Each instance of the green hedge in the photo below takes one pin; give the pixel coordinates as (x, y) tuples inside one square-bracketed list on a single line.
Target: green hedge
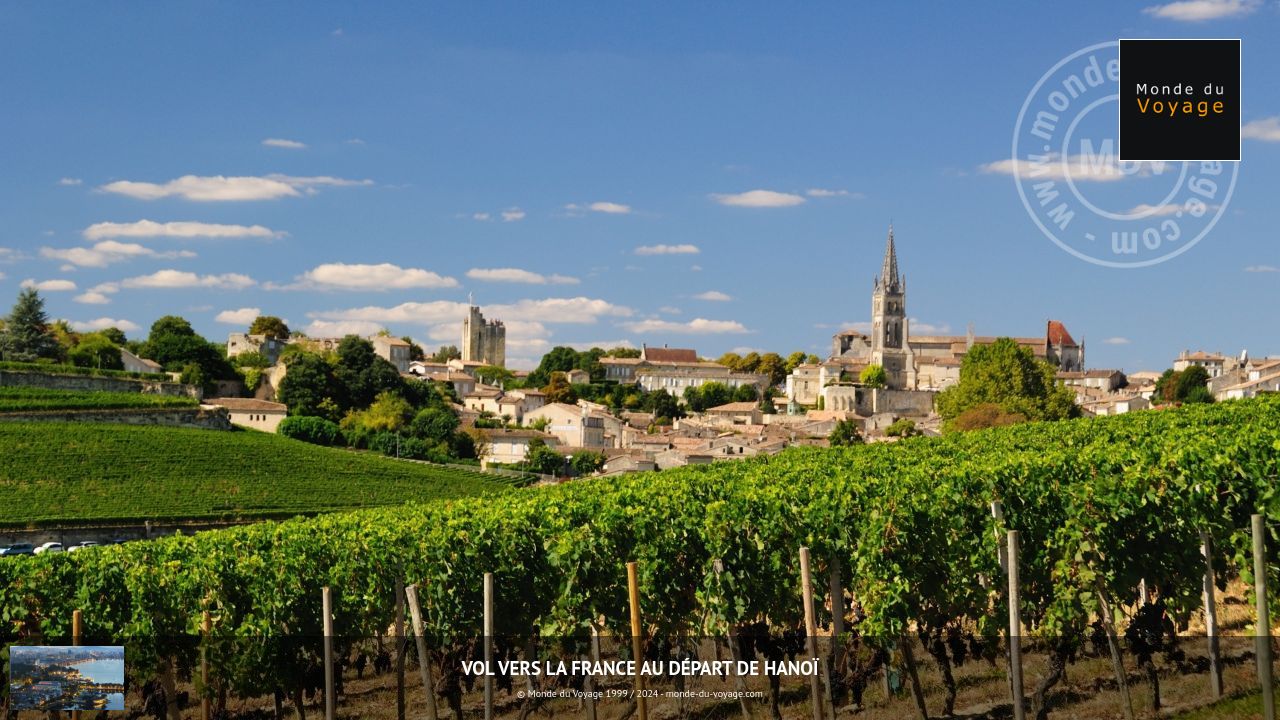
[(23, 399)]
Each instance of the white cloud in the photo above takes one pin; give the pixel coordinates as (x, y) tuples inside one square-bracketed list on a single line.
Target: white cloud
[(2, 276), (1162, 210), (512, 214), (1262, 269), (713, 296), (9, 255), (610, 207), (575, 310), (1267, 129), (825, 193), (92, 297), (667, 250), (103, 323), (384, 276), (1197, 10), (697, 326), (219, 188), (70, 181), (1116, 341), (481, 216), (107, 252), (179, 279), (602, 344), (1080, 168), (341, 328), (243, 316), (150, 228), (668, 309), (758, 199), (283, 143), (354, 141), (49, 285), (516, 275)]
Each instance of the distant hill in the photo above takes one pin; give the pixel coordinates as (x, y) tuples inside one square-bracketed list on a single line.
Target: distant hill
[(66, 473)]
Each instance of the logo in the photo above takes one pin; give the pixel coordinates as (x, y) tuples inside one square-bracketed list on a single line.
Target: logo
[(1067, 168)]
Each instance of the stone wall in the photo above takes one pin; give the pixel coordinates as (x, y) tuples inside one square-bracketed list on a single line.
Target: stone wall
[(204, 417), (105, 532), (902, 402), (89, 383)]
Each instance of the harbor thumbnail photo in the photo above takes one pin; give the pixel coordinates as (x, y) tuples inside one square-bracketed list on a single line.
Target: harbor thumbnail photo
[(67, 678)]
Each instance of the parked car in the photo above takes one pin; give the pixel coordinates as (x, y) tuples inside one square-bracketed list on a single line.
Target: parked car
[(18, 549), (82, 545), (51, 547)]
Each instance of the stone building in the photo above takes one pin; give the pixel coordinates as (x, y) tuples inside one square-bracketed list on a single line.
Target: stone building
[(483, 340)]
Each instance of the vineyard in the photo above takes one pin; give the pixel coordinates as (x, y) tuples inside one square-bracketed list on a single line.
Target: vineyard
[(26, 399), (76, 370), (67, 474), (1103, 506)]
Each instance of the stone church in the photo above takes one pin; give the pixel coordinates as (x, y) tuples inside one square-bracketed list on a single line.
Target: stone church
[(913, 362)]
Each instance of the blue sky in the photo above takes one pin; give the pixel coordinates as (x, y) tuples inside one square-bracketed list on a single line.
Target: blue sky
[(584, 171)]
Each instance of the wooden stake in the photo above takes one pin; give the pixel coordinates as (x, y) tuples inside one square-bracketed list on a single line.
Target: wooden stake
[(424, 664), (637, 640), (1264, 618), (909, 659), (1116, 663), (738, 683), (400, 647), (1015, 628), (1211, 616), (811, 630), (77, 635), (488, 646), (835, 594), (590, 680), (330, 699), (206, 628)]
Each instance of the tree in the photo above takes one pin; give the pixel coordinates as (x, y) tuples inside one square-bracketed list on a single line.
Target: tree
[(560, 359), (1010, 377), (542, 459), (388, 413), (986, 415), (269, 325), (902, 427), (445, 354), (65, 335), (251, 359), (311, 388), (493, 375), (27, 336), (558, 390), (115, 335), (845, 433), (434, 423), (774, 366), (96, 351), (745, 393), (586, 462), (1193, 385), (766, 402), (709, 395), (416, 353), (873, 376), (314, 430), (795, 360), (363, 373), (175, 345), (664, 405)]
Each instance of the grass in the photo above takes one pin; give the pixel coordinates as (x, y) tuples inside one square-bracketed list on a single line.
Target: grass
[(1242, 707), (82, 473), (25, 399)]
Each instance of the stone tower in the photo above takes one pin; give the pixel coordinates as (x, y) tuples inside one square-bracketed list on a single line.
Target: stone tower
[(889, 347), (483, 340)]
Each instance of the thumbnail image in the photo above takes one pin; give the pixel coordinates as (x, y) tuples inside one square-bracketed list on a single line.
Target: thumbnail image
[(67, 678)]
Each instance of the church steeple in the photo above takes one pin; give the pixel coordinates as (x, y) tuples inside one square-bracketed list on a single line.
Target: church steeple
[(889, 278)]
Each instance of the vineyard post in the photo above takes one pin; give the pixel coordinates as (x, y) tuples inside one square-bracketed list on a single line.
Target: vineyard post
[(811, 631), (1264, 619), (488, 646), (206, 627), (1104, 614), (909, 659), (424, 666), (1002, 556), (1211, 615), (637, 642), (738, 683), (590, 681), (1015, 629), (326, 607), (77, 636), (400, 649), (837, 627)]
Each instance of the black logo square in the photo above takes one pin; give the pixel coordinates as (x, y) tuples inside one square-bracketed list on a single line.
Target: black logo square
[(1179, 100)]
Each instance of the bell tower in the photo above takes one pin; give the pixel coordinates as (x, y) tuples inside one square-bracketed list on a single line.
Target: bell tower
[(889, 348)]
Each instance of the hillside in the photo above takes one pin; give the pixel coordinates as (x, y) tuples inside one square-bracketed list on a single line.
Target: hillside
[(52, 473), (25, 399)]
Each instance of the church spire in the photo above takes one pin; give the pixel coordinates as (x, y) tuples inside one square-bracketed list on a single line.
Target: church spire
[(889, 278)]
